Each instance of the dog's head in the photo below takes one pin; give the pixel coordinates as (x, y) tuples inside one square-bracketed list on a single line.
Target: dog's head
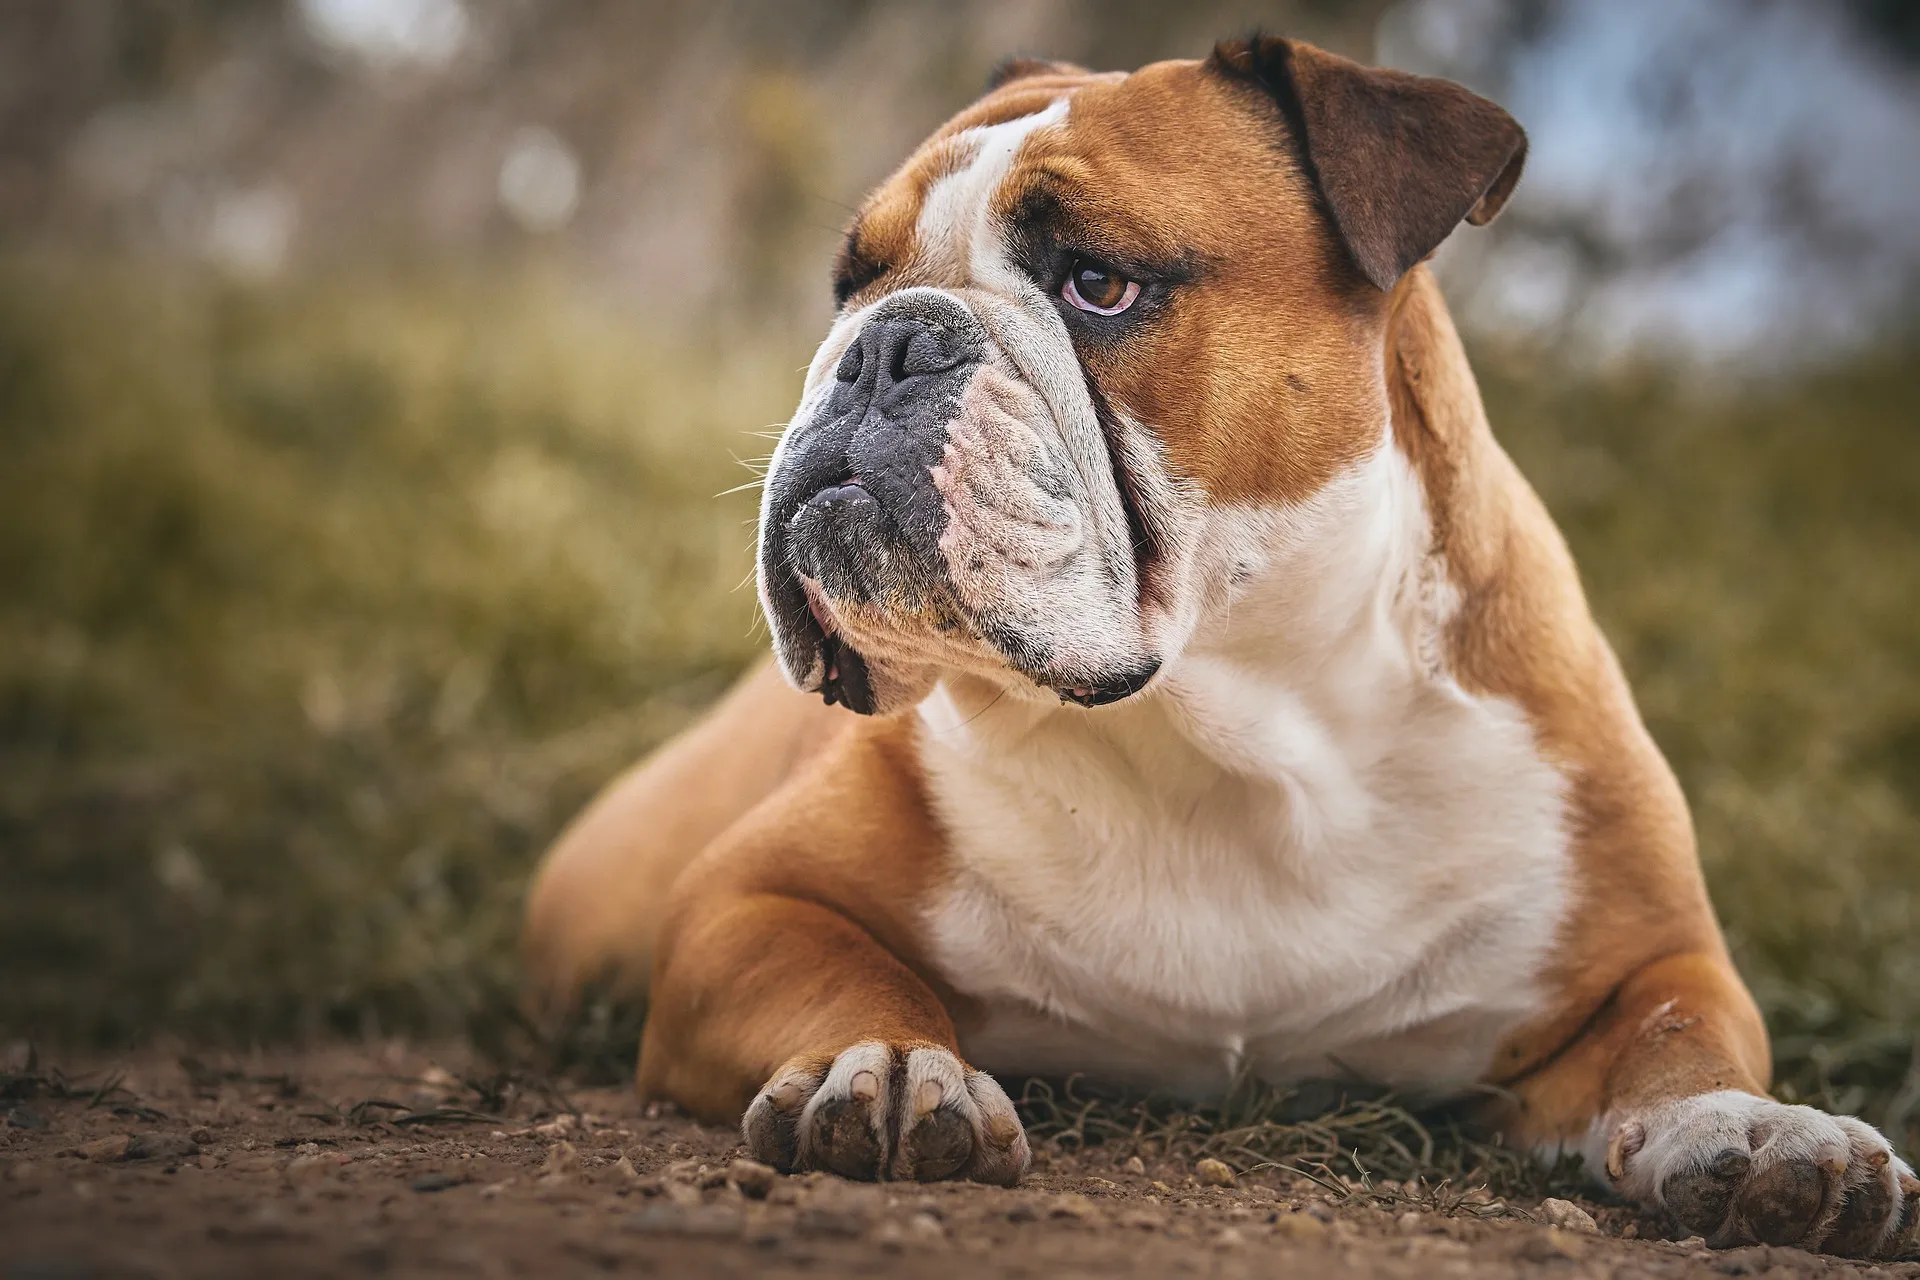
[(1088, 322)]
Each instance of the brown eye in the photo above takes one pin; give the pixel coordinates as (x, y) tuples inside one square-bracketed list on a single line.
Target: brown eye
[(1092, 287)]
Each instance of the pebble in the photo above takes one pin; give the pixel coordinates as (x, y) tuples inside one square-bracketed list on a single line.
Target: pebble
[(161, 1146), (1568, 1216), (711, 1221), (1554, 1242), (845, 1222), (25, 1118), (1229, 1238), (753, 1179), (1213, 1173), (305, 1169), (1134, 1165), (107, 1150), (1070, 1205), (1300, 1227), (558, 1127), (926, 1228), (1142, 1220), (624, 1170), (562, 1159), (436, 1182)]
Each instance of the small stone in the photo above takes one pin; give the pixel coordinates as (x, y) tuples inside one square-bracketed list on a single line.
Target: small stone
[(562, 1159), (1229, 1238), (1302, 1228), (1134, 1165), (1161, 1187), (752, 1178), (493, 1189), (707, 1179), (925, 1229), (623, 1169), (1213, 1173), (1568, 1216), (201, 1134), (25, 1118), (1142, 1220), (558, 1127), (161, 1146), (302, 1170), (1070, 1205), (1023, 1211), (432, 1182), (107, 1150), (1411, 1220), (844, 1222), (1554, 1242), (709, 1221)]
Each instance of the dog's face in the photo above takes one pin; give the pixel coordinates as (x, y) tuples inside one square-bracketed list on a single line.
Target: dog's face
[(1085, 330)]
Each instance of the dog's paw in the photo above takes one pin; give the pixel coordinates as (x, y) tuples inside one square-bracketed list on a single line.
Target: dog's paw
[(1739, 1169), (878, 1111)]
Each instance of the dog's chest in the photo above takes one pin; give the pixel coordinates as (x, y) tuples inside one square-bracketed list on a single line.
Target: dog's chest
[(1376, 897)]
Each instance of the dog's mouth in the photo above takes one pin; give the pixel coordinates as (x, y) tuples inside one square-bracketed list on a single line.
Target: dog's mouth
[(844, 679), (1099, 695)]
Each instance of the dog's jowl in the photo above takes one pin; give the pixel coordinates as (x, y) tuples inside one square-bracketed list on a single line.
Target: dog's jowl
[(1175, 680)]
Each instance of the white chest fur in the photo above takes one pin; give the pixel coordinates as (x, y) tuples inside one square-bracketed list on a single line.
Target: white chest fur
[(1307, 853)]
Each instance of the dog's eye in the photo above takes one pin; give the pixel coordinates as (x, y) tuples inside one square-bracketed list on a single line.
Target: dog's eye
[(1092, 287)]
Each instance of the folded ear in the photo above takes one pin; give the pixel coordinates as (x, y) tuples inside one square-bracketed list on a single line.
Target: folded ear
[(1399, 159), (1015, 67)]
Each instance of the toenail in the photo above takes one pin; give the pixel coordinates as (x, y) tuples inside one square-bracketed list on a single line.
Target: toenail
[(929, 1097), (783, 1096), (1002, 1130), (865, 1085)]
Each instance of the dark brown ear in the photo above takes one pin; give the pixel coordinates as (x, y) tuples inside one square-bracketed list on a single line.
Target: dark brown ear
[(1399, 159), (1015, 67)]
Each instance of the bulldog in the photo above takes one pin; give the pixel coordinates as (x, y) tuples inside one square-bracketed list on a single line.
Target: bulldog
[(1227, 704)]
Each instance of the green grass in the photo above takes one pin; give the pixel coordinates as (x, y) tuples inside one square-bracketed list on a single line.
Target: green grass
[(325, 604), (325, 607)]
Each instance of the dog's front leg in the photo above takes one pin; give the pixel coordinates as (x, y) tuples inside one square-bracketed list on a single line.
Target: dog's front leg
[(1664, 1096), (843, 1058)]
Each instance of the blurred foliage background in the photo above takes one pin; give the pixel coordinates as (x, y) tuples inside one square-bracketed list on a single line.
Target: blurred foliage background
[(373, 372)]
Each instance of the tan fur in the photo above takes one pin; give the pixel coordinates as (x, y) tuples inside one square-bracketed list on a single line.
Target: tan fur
[(599, 898), (1645, 932), (794, 935)]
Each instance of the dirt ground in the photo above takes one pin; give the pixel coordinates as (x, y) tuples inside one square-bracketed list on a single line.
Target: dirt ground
[(345, 1162)]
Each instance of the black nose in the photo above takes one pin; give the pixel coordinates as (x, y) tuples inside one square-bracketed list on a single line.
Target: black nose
[(894, 356)]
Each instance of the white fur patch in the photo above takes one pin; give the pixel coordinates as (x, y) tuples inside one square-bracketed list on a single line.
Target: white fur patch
[(955, 229), (1306, 851)]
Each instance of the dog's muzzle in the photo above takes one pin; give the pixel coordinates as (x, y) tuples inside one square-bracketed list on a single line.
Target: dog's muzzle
[(851, 513)]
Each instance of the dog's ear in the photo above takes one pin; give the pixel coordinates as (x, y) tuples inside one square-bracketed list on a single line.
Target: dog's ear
[(1015, 67), (1399, 159)]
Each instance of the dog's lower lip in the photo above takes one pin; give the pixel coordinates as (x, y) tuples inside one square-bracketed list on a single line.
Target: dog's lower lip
[(1114, 690)]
